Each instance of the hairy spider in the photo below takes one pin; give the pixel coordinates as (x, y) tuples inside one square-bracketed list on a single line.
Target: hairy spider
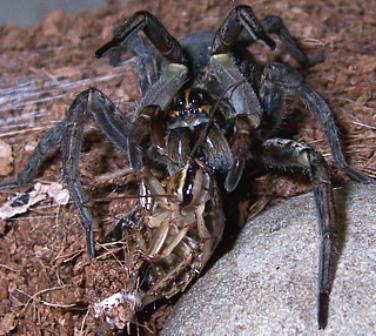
[(202, 99)]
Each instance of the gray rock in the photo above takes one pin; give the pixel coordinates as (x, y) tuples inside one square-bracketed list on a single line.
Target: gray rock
[(267, 284)]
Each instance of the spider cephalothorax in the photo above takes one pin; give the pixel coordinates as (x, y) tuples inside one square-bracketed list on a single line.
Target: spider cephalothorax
[(202, 101)]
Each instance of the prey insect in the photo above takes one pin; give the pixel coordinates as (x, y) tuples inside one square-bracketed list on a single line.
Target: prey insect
[(180, 85), (175, 230)]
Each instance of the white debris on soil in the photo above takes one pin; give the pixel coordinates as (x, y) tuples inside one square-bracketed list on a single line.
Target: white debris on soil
[(6, 159), (59, 194), (23, 201), (118, 309)]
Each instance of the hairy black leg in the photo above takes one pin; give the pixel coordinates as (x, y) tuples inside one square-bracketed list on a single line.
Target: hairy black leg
[(71, 148), (272, 100), (50, 140), (274, 24), (286, 154), (68, 135), (91, 103), (114, 125), (156, 33), (241, 17), (147, 61), (285, 79)]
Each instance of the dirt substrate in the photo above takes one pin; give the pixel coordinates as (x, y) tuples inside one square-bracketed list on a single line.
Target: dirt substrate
[(47, 282)]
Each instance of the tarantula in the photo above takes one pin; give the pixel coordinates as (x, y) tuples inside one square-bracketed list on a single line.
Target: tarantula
[(202, 98)]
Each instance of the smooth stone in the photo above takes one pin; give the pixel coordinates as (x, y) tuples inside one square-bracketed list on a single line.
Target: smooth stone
[(266, 285)]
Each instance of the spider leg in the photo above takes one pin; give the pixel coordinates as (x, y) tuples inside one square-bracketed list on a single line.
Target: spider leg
[(272, 98), (156, 97), (71, 147), (279, 78), (53, 138), (241, 17), (113, 124), (147, 65), (92, 103), (69, 134), (173, 75), (274, 24), (147, 62), (50, 140), (154, 30), (286, 154)]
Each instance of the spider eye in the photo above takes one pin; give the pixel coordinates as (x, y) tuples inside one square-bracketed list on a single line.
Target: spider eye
[(180, 105), (195, 101)]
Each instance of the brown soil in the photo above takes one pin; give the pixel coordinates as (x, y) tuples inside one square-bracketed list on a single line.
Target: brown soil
[(47, 282)]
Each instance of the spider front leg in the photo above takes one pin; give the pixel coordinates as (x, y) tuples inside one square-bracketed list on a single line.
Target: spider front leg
[(278, 79), (286, 154), (147, 63), (172, 76), (154, 30), (241, 17)]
